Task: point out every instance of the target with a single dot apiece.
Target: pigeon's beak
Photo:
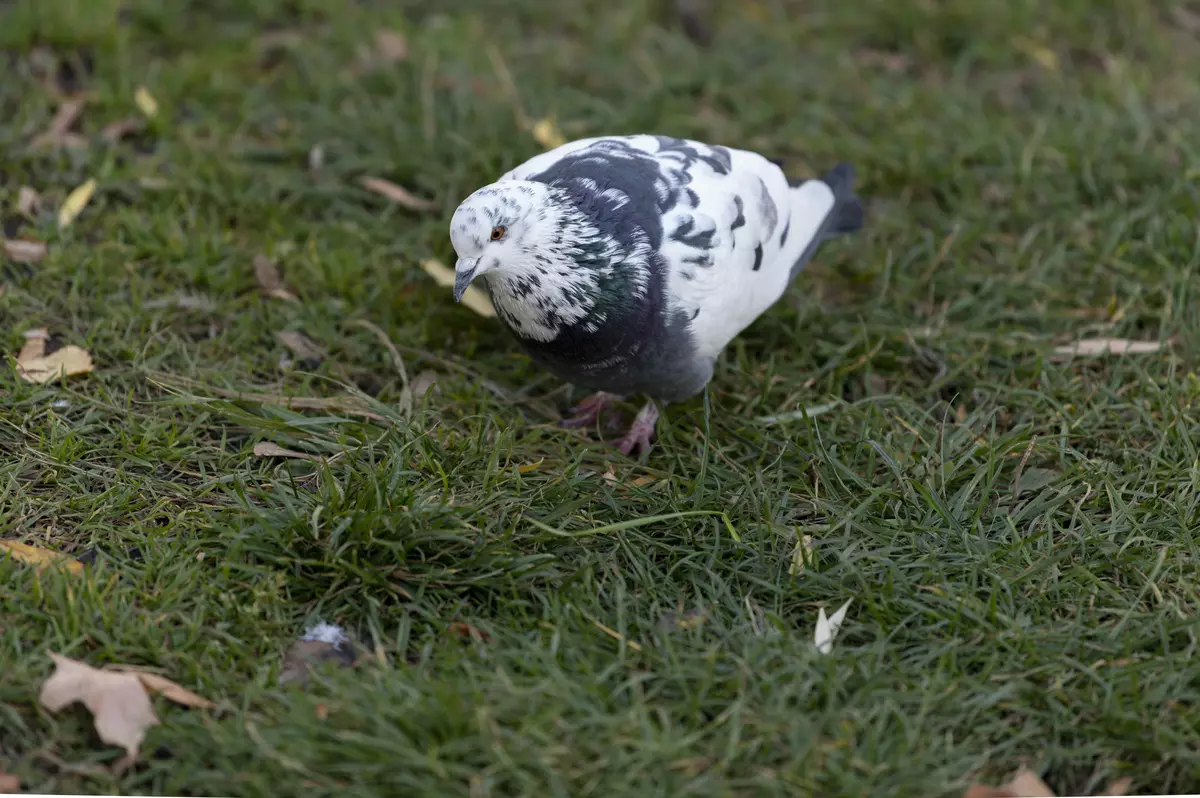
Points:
(464, 273)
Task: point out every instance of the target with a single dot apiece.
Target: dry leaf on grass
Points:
(120, 707)
(75, 202)
(269, 279)
(1108, 346)
(34, 365)
(474, 298)
(303, 347)
(145, 102)
(183, 302)
(397, 194)
(268, 449)
(58, 135)
(22, 251)
(391, 46)
(423, 383)
(29, 202)
(465, 631)
(547, 134)
(827, 628)
(40, 558)
(9, 783)
(528, 467)
(802, 556)
(115, 131)
(1027, 784)
(167, 688)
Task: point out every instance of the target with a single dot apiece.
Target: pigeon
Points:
(626, 264)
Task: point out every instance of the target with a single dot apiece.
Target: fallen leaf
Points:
(169, 689)
(322, 643)
(145, 102)
(9, 783)
(390, 46)
(22, 251)
(474, 298)
(465, 631)
(1107, 346)
(183, 302)
(827, 628)
(303, 347)
(29, 202)
(40, 558)
(269, 279)
(120, 707)
(1025, 784)
(547, 134)
(397, 194)
(115, 131)
(57, 134)
(268, 449)
(615, 635)
(64, 362)
(525, 469)
(687, 620)
(423, 383)
(35, 344)
(802, 556)
(75, 203)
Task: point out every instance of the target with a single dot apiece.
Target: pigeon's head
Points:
(547, 262)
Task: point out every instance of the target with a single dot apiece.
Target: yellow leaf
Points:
(473, 298)
(146, 102)
(32, 555)
(525, 469)
(75, 203)
(64, 362)
(547, 134)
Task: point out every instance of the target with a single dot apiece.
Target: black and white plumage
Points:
(625, 264)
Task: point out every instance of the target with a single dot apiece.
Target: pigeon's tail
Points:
(846, 215)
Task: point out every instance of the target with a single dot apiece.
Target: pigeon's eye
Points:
(498, 233)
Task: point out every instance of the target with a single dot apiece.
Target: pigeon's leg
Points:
(587, 412)
(641, 431)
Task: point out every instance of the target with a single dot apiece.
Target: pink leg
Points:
(641, 431)
(587, 412)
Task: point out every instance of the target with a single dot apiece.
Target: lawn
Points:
(1019, 530)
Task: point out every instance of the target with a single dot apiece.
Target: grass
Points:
(1019, 534)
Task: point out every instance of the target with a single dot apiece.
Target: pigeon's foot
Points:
(641, 432)
(587, 412)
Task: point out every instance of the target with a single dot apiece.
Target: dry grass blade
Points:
(266, 273)
(22, 251)
(115, 131)
(145, 102)
(348, 405)
(465, 631)
(802, 556)
(268, 449)
(397, 194)
(301, 345)
(474, 298)
(1107, 346)
(57, 134)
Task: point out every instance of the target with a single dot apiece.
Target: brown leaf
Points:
(29, 202)
(9, 783)
(301, 345)
(1025, 784)
(35, 344)
(269, 279)
(1107, 346)
(121, 709)
(397, 194)
(391, 46)
(115, 131)
(305, 655)
(465, 631)
(64, 362)
(169, 689)
(39, 557)
(268, 449)
(20, 250)
(56, 135)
